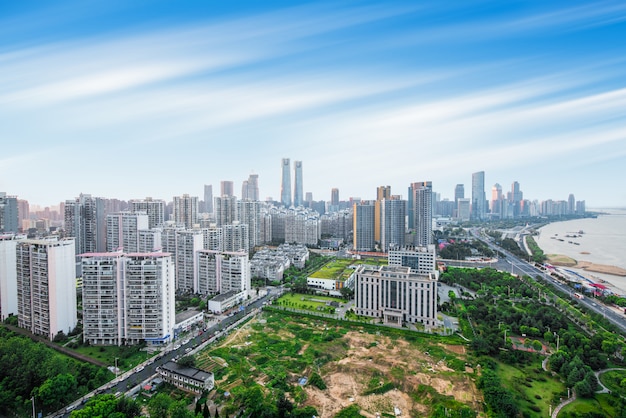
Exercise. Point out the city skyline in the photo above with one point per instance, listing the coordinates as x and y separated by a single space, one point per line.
128 100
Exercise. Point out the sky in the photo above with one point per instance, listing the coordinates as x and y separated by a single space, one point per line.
128 99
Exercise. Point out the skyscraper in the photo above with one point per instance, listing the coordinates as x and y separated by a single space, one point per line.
382 193
227 188
155 208
249 213
392 222
298 196
496 200
46 286
459 192
225 210
479 211
515 198
250 188
364 215
85 222
334 200
208 198
9 219
285 186
422 212
188 243
186 210
123 230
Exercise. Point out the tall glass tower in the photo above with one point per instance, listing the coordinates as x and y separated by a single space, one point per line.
285 187
297 190
478 196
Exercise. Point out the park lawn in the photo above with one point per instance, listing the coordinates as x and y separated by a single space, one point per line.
334 269
600 404
305 302
612 380
534 387
127 358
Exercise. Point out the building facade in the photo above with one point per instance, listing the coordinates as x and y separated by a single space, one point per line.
123 230
46 286
8 276
155 209
396 295
285 185
298 194
186 210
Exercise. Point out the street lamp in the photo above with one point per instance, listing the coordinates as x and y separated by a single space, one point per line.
33 400
116 369
557 341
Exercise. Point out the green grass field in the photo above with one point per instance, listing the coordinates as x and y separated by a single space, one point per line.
612 380
600 405
537 389
334 269
313 303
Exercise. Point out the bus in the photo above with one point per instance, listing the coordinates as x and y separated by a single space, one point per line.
578 296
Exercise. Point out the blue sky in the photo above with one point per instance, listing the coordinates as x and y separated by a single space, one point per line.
157 98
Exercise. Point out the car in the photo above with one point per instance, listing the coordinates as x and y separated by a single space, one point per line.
188 349
177 346
139 369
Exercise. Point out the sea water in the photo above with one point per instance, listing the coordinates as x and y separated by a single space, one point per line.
602 241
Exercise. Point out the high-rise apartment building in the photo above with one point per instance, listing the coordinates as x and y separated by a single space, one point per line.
46 286
364 224
123 230
220 272
208 198
128 298
334 197
149 240
236 237
298 195
479 200
250 188
396 295
186 210
227 188
225 210
422 212
392 222
8 276
382 193
188 242
9 215
285 186
85 222
155 208
249 213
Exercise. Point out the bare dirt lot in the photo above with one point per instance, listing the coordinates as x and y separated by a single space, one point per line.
373 360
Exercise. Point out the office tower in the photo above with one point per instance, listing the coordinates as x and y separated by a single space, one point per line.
250 188
186 210
571 204
479 211
382 193
128 298
364 215
225 210
285 186
149 240
236 237
46 286
8 276
227 188
334 197
298 196
85 222
422 260
188 242
396 295
249 213
497 200
515 198
463 209
392 222
208 198
422 212
123 230
459 192
155 208
221 272
308 198
9 218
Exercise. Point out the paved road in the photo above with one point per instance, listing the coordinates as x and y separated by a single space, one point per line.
147 370
524 268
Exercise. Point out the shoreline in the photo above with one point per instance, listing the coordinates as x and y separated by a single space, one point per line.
566 261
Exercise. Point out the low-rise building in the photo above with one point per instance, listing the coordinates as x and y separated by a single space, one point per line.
225 301
188 379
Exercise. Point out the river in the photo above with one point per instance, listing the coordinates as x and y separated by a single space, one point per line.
603 241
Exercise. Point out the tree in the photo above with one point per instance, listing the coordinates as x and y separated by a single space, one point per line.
159 406
57 391
187 361
179 410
